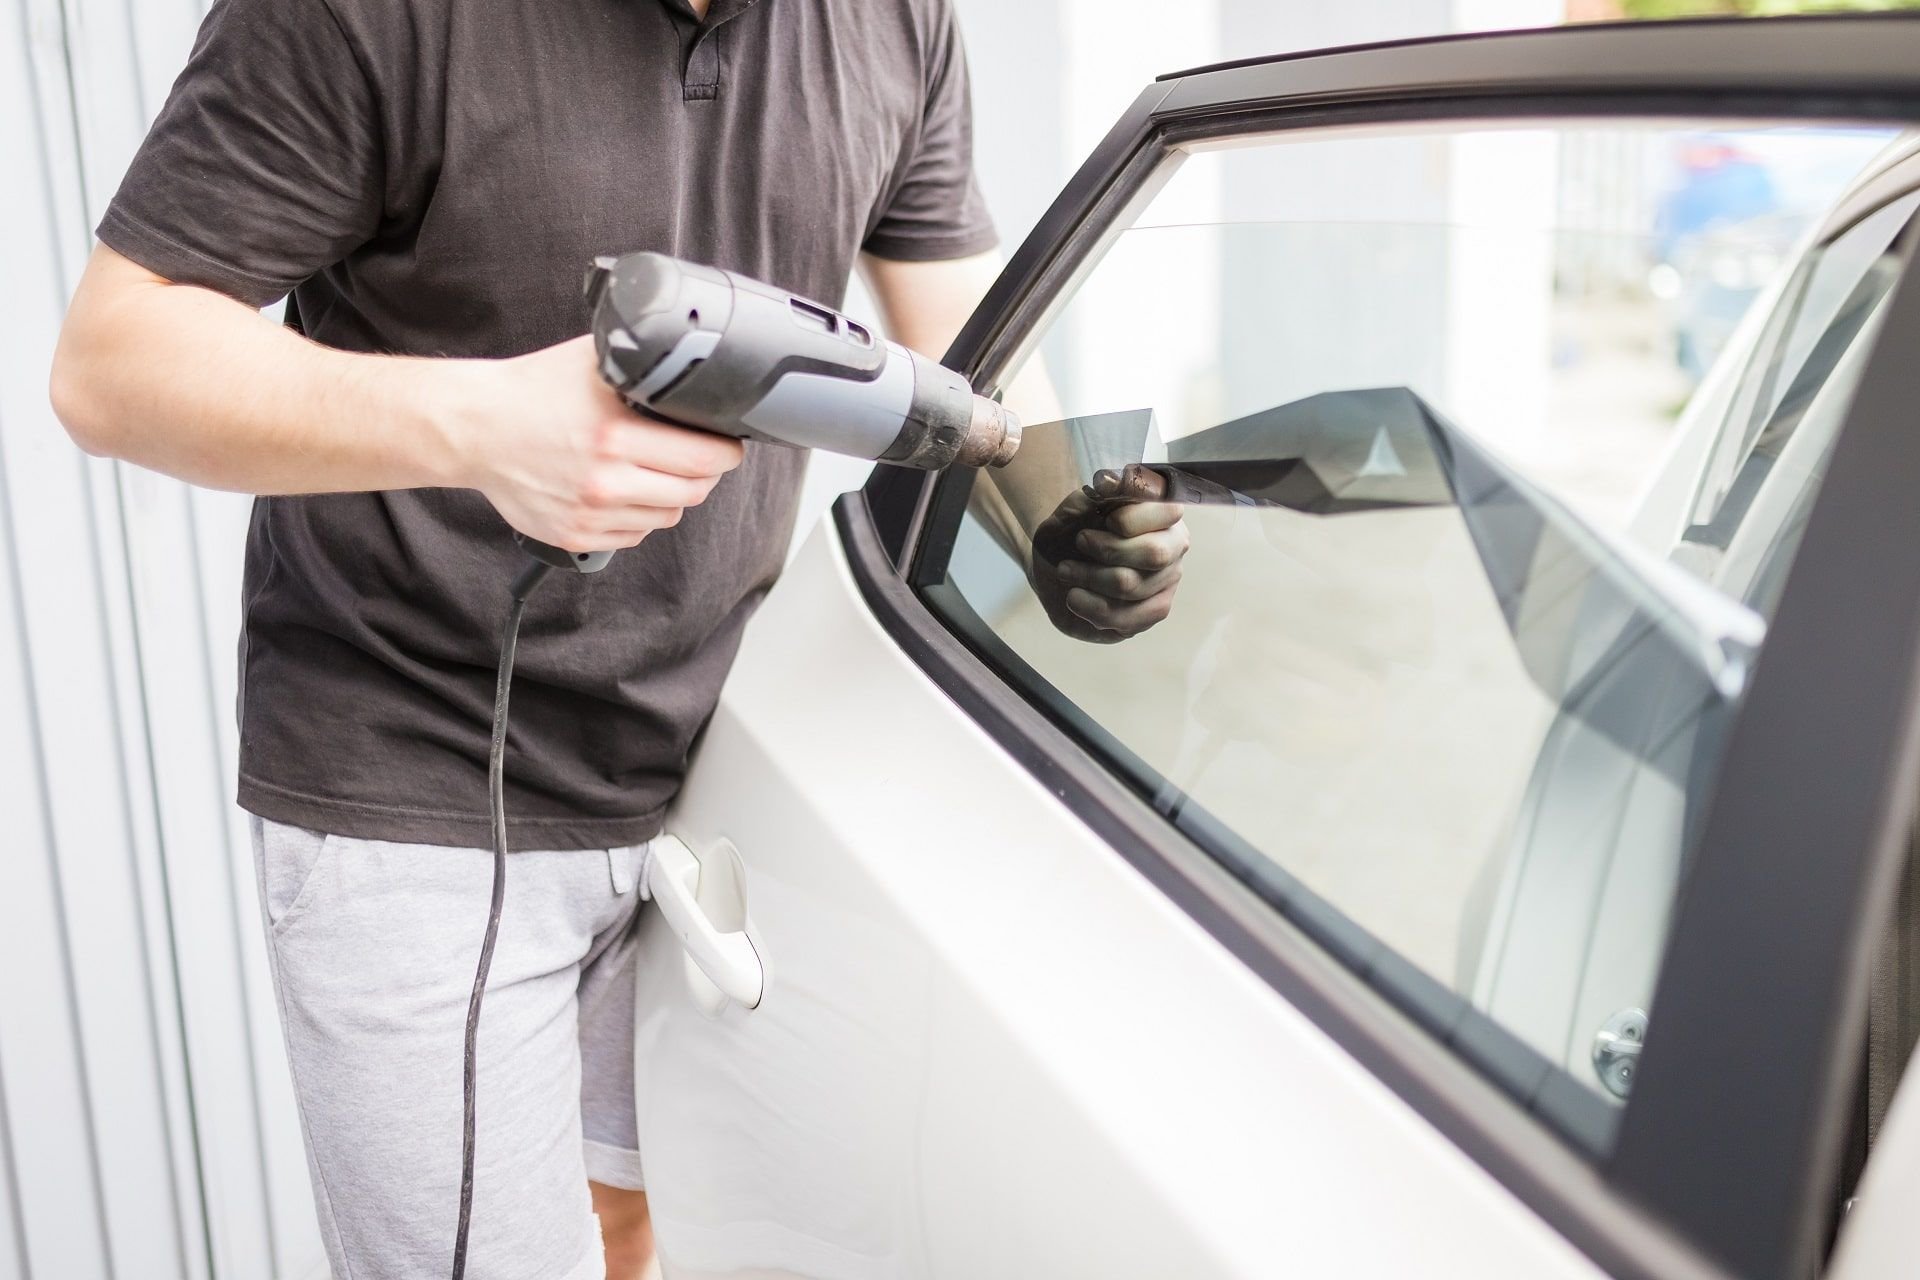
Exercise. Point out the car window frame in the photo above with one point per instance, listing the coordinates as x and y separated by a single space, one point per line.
1737 1121
1744 421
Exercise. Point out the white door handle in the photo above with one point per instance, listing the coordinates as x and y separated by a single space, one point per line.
727 958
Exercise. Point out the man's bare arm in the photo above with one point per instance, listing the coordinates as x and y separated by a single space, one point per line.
192 383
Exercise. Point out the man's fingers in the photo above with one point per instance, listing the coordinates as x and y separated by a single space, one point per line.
619 540
1150 552
627 538
636 519
1136 518
1073 510
628 485
1111 615
612 529
1117 582
664 447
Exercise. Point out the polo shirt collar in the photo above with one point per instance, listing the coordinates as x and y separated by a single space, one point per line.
718 11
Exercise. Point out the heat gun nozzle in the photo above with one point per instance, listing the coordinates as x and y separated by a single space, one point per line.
993 436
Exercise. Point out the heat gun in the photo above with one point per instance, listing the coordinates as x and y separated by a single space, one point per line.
710 349
713 350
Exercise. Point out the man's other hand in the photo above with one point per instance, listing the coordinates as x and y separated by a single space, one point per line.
566 461
1105 566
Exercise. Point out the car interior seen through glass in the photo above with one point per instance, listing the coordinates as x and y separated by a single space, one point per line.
1493 444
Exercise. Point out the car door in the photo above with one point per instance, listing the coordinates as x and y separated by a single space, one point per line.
1238 946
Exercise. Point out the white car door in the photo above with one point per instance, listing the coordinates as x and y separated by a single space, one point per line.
985 950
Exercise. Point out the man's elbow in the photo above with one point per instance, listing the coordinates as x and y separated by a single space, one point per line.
99 345
74 390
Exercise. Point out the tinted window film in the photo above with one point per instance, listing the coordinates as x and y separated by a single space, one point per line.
1377 528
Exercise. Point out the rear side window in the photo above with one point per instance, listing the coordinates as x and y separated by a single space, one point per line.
1490 448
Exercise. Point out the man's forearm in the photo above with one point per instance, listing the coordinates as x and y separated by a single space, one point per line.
194 384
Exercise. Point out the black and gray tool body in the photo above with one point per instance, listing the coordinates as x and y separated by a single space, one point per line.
714 350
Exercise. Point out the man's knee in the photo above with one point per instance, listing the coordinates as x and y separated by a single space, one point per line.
626 1230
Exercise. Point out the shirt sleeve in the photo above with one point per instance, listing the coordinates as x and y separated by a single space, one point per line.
265 164
934 209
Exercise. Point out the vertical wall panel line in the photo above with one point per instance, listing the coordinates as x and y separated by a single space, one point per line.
152 795
139 73
16 1213
117 702
73 103
40 126
51 850
234 906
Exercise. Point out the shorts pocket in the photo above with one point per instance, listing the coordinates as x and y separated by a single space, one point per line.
291 859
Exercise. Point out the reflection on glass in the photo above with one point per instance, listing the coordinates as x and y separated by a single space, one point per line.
1490 457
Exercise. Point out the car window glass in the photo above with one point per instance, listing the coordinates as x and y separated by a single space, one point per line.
1437 412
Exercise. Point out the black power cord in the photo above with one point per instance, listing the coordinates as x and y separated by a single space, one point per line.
497 802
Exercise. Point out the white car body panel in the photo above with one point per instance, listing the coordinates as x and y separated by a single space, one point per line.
987 1045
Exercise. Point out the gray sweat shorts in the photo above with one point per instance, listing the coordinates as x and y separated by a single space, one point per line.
373 946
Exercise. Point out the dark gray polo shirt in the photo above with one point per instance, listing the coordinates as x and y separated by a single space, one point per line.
431 177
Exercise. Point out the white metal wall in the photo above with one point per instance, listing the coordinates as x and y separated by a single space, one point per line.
146 1126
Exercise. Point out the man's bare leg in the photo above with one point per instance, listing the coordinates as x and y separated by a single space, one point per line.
625 1228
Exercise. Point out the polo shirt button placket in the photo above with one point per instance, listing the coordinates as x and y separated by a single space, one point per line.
701 81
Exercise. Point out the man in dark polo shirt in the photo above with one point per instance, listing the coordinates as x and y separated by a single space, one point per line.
428 178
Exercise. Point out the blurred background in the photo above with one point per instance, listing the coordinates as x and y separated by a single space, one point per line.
146 1127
